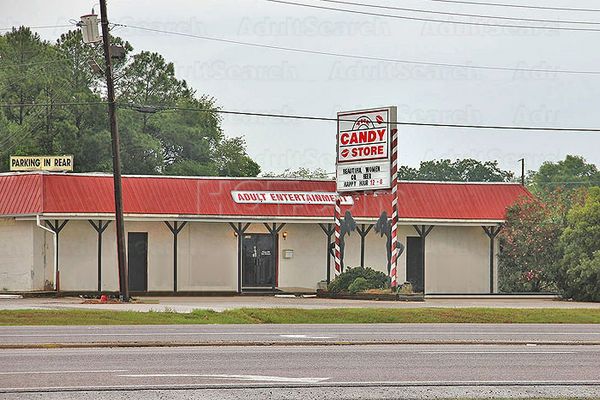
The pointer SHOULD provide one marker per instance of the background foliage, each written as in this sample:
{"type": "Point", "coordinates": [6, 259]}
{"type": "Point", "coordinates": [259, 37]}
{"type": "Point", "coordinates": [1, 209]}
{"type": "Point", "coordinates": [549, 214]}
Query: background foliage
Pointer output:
{"type": "Point", "coordinates": [552, 242]}
{"type": "Point", "coordinates": [153, 140]}
{"type": "Point", "coordinates": [465, 170]}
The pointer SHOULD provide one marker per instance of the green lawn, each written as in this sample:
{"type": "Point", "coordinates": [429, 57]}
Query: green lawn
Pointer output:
{"type": "Point", "coordinates": [300, 316]}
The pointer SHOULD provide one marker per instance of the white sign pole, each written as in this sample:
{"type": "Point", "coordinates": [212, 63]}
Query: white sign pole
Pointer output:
{"type": "Point", "coordinates": [394, 233]}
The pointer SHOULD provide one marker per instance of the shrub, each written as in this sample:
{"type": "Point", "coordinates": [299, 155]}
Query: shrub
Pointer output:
{"type": "Point", "coordinates": [375, 279]}
{"type": "Point", "coordinates": [580, 241]}
{"type": "Point", "coordinates": [405, 288]}
{"type": "Point", "coordinates": [360, 284]}
{"type": "Point", "coordinates": [583, 280]}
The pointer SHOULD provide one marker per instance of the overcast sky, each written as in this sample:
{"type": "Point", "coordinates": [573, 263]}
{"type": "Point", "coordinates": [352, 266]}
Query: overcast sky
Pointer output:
{"type": "Point", "coordinates": [262, 80]}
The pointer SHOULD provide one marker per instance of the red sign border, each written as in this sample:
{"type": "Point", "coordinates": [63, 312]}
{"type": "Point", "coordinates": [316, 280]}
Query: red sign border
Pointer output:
{"type": "Point", "coordinates": [358, 112]}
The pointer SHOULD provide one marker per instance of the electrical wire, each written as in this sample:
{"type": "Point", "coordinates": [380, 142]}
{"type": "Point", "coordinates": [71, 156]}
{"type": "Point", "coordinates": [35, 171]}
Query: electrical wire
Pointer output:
{"type": "Point", "coordinates": [563, 182]}
{"type": "Point", "coordinates": [556, 21]}
{"type": "Point", "coordinates": [38, 27]}
{"type": "Point", "coordinates": [22, 135]}
{"type": "Point", "coordinates": [58, 104]}
{"type": "Point", "coordinates": [445, 21]}
{"type": "Point", "coordinates": [330, 119]}
{"type": "Point", "coordinates": [6, 140]}
{"type": "Point", "coordinates": [147, 108]}
{"type": "Point", "coordinates": [31, 63]}
{"type": "Point", "coordinates": [154, 109]}
{"type": "Point", "coordinates": [481, 3]}
{"type": "Point", "coordinates": [363, 57]}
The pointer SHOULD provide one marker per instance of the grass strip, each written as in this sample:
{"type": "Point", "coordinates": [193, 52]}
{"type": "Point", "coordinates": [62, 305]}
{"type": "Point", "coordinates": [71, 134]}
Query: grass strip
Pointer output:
{"type": "Point", "coordinates": [302, 316]}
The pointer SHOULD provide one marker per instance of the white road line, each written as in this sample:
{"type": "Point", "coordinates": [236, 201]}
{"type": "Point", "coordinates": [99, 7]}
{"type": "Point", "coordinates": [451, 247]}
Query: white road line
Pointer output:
{"type": "Point", "coordinates": [254, 378]}
{"type": "Point", "coordinates": [103, 371]}
{"type": "Point", "coordinates": [281, 334]}
{"type": "Point", "coordinates": [324, 384]}
{"type": "Point", "coordinates": [493, 352]}
{"type": "Point", "coordinates": [305, 337]}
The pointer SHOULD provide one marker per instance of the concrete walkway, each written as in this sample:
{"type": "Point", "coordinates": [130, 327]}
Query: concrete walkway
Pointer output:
{"type": "Point", "coordinates": [188, 304]}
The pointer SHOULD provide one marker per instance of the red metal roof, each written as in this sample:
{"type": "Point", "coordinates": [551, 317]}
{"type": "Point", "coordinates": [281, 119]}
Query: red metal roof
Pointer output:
{"type": "Point", "coordinates": [21, 194]}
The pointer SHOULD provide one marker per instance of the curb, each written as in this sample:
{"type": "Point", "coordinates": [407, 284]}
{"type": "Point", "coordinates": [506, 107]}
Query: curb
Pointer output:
{"type": "Point", "coordinates": [10, 296]}
{"type": "Point", "coordinates": [340, 385]}
{"type": "Point", "coordinates": [14, 346]}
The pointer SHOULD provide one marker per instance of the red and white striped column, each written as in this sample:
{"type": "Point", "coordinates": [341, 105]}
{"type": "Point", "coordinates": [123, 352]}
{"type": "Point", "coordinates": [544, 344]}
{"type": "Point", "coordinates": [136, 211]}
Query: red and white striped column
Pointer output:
{"type": "Point", "coordinates": [394, 172]}
{"type": "Point", "coordinates": [337, 217]}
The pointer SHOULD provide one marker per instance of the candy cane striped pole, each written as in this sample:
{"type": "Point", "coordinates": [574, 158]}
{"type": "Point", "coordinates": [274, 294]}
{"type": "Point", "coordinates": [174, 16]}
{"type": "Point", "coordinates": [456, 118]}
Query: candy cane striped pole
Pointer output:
{"type": "Point", "coordinates": [394, 261]}
{"type": "Point", "coordinates": [337, 217]}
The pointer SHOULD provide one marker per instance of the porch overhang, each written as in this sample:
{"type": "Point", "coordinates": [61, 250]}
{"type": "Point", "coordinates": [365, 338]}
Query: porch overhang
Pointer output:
{"type": "Point", "coordinates": [253, 219]}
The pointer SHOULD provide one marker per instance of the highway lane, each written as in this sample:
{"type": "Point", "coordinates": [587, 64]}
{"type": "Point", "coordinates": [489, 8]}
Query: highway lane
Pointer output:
{"type": "Point", "coordinates": [349, 368]}
{"type": "Point", "coordinates": [319, 333]}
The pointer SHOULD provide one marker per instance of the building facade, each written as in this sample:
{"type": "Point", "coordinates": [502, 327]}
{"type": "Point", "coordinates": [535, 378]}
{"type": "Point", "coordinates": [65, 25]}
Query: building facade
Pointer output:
{"type": "Point", "coordinates": [199, 235]}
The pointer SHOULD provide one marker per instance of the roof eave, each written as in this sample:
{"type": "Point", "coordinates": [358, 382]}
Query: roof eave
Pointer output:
{"type": "Point", "coordinates": [258, 219]}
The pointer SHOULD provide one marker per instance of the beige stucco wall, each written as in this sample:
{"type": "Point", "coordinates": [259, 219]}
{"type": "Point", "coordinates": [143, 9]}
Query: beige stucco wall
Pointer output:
{"type": "Point", "coordinates": [207, 257]}
{"type": "Point", "coordinates": [457, 259]}
{"type": "Point", "coordinates": [16, 255]}
{"type": "Point", "coordinates": [160, 253]}
{"type": "Point", "coordinates": [309, 262]}
{"type": "Point", "coordinates": [77, 256]}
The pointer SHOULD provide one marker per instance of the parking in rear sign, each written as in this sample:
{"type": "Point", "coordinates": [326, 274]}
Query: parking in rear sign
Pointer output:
{"type": "Point", "coordinates": [364, 149]}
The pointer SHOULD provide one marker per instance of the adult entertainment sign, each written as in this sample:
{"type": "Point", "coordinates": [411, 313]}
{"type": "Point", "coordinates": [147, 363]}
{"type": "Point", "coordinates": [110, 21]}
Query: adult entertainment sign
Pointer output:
{"type": "Point", "coordinates": [41, 163]}
{"type": "Point", "coordinates": [364, 149]}
{"type": "Point", "coordinates": [263, 197]}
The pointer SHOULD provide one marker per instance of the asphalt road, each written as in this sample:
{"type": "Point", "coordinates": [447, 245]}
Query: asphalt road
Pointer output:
{"type": "Point", "coordinates": [368, 371]}
{"type": "Point", "coordinates": [298, 334]}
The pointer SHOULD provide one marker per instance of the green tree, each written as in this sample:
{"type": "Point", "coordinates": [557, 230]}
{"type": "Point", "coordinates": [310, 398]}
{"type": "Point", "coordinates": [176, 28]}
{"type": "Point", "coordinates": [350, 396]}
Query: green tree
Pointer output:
{"type": "Point", "coordinates": [466, 170]}
{"type": "Point", "coordinates": [182, 142]}
{"type": "Point", "coordinates": [156, 141]}
{"type": "Point", "coordinates": [579, 276]}
{"type": "Point", "coordinates": [24, 58]}
{"type": "Point", "coordinates": [33, 72]}
{"type": "Point", "coordinates": [571, 173]}
{"type": "Point", "coordinates": [300, 173]}
{"type": "Point", "coordinates": [231, 158]}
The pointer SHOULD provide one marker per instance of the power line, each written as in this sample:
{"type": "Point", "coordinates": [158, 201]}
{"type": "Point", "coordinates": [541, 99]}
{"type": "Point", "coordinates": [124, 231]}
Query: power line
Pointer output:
{"type": "Point", "coordinates": [32, 63]}
{"type": "Point", "coordinates": [37, 27]}
{"type": "Point", "coordinates": [58, 104]}
{"type": "Point", "coordinates": [330, 119]}
{"type": "Point", "coordinates": [363, 57]}
{"type": "Point", "coordinates": [352, 3]}
{"type": "Point", "coordinates": [27, 135]}
{"type": "Point", "coordinates": [446, 21]}
{"type": "Point", "coordinates": [479, 3]}
{"type": "Point", "coordinates": [563, 182]}
{"type": "Point", "coordinates": [153, 109]}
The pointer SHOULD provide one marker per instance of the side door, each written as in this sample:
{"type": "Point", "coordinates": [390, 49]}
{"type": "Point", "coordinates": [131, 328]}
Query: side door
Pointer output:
{"type": "Point", "coordinates": [414, 263]}
{"type": "Point", "coordinates": [137, 260]}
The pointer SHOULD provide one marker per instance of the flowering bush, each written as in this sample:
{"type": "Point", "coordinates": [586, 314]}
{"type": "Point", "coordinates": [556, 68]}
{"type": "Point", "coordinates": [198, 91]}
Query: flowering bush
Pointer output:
{"type": "Point", "coordinates": [529, 247]}
{"type": "Point", "coordinates": [534, 279]}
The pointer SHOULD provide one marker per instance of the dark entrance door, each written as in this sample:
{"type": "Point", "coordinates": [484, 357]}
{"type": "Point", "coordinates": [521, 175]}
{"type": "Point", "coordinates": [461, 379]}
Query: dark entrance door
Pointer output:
{"type": "Point", "coordinates": [137, 260]}
{"type": "Point", "coordinates": [259, 263]}
{"type": "Point", "coordinates": [414, 263]}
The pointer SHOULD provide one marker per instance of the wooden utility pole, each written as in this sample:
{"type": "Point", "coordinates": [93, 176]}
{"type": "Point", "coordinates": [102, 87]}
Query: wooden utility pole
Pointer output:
{"type": "Point", "coordinates": [116, 157]}
{"type": "Point", "coordinates": [522, 160]}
